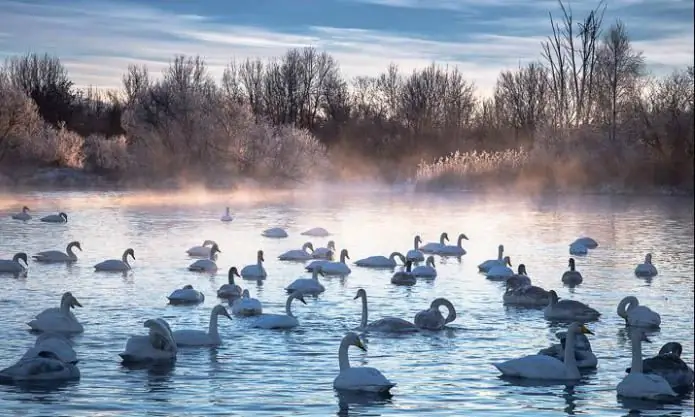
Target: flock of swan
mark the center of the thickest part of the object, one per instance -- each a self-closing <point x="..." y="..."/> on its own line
<point x="52" y="357"/>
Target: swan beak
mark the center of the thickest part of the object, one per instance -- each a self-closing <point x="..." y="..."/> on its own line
<point x="359" y="344"/>
<point x="356" y="297"/>
<point x="646" y="339"/>
<point x="321" y="273"/>
<point x="76" y="303"/>
<point x="585" y="330"/>
<point x="301" y="298"/>
<point x="226" y="314"/>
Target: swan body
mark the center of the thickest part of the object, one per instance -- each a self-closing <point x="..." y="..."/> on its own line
<point x="158" y="347"/>
<point x="206" y="265"/>
<point x="200" y="337"/>
<point x="379" y="261"/>
<point x="316" y="232"/>
<point x="324" y="253"/>
<point x="500" y="272"/>
<point x="669" y="365"/>
<point x="361" y="378"/>
<point x="275" y="233"/>
<point x="56" y="256"/>
<point x="485" y="266"/>
<point x="578" y="249"/>
<point x="55" y="343"/>
<point x="201" y="251"/>
<point x="646" y="269"/>
<point x="186" y="296"/>
<point x="22" y="215"/>
<point x="230" y="290"/>
<point x="13" y="266"/>
<point x="298" y="254"/>
<point x="583" y="353"/>
<point x="415" y="255"/>
<point x="246" y="306"/>
<point x="425" y="271"/>
<point x="572" y="277"/>
<point x="227" y="217"/>
<point x="404" y="277"/>
<point x="45" y="366"/>
<point x="568" y="310"/>
<point x="59" y="320"/>
<point x="640" y="385"/>
<point x="587" y="241"/>
<point x="332" y="268"/>
<point x="115" y="265"/>
<point x="255" y="271"/>
<point x="453" y="250"/>
<point x="432" y="318"/>
<point x="434" y="247"/>
<point x="636" y="314"/>
<point x="55" y="218"/>
<point x="384" y="325"/>
<point x="520" y="292"/>
<point x="543" y="367"/>
<point x="281" y="321"/>
<point x="308" y="286"/>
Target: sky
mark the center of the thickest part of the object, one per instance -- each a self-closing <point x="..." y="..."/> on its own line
<point x="98" y="39"/>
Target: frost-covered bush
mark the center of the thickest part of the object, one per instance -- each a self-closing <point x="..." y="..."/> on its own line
<point x="109" y="154"/>
<point x="19" y="118"/>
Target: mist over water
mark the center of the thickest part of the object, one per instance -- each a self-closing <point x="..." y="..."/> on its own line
<point x="270" y="373"/>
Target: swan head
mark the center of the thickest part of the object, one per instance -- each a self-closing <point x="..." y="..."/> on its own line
<point x="318" y="270"/>
<point x="462" y="236"/>
<point x="418" y="239"/>
<point x="308" y="245"/>
<point x="521" y="269"/>
<point x="129" y="252"/>
<point x="673" y="348"/>
<point x="430" y="261"/>
<point x="187" y="287"/>
<point x="579" y="328"/>
<point x="344" y="253"/>
<point x="25" y="209"/>
<point x="352" y="339"/>
<point x="259" y="255"/>
<point x="299" y="296"/>
<point x="360" y="293"/>
<point x="23" y="256"/>
<point x="331" y="245"/>
<point x="64" y="216"/>
<point x="507" y="261"/>
<point x="233" y="272"/>
<point x="500" y="248"/>
<point x="553" y="297"/>
<point x="208" y="242"/>
<point x="444" y="236"/>
<point x="245" y="294"/>
<point x="160" y="335"/>
<point x="70" y="300"/>
<point x="214" y="249"/>
<point x="648" y="258"/>
<point x="571" y="263"/>
<point x="75" y="244"/>
<point x="221" y="311"/>
<point x="408" y="265"/>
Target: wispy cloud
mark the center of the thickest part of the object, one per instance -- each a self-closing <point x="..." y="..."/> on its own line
<point x="97" y="40"/>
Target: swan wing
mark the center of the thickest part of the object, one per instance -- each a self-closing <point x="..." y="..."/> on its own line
<point x="40" y="369"/>
<point x="190" y="337"/>
<point x="362" y="379"/>
<point x="112" y="265"/>
<point x="534" y="367"/>
<point x="644" y="386"/>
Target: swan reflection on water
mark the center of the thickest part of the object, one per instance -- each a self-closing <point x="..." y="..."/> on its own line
<point x="351" y="403"/>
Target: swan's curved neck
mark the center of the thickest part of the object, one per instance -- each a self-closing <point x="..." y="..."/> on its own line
<point x="343" y="360"/>
<point x="70" y="252"/>
<point x="231" y="279"/>
<point x="65" y="307"/>
<point x="637" y="365"/>
<point x="500" y="254"/>
<point x="212" y="328"/>
<point x="365" y="313"/>
<point x="451" y="315"/>
<point x="259" y="262"/>
<point x="430" y="262"/>
<point x="342" y="258"/>
<point x="442" y="240"/>
<point x="315" y="274"/>
<point x="416" y="244"/>
<point x="570" y="358"/>
<point x="626" y="304"/>
<point x="124" y="258"/>
<point x="460" y="240"/>
<point x="288" y="306"/>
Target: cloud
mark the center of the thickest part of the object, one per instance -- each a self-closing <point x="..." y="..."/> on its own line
<point x="97" y="40"/>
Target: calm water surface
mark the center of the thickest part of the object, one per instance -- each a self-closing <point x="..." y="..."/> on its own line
<point x="280" y="373"/>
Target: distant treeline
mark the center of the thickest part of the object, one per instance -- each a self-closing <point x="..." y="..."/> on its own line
<point x="586" y="114"/>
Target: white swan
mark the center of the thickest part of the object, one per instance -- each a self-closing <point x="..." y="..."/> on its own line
<point x="520" y="292"/>
<point x="432" y="318"/>
<point x="187" y="337"/>
<point x="640" y="385"/>
<point x="500" y="272"/>
<point x="583" y="353"/>
<point x="58" y="320"/>
<point x="13" y="266"/>
<point x="298" y="254"/>
<point x="116" y="265"/>
<point x="55" y="343"/>
<point x="646" y="269"/>
<point x="568" y="310"/>
<point x="316" y="232"/>
<point x="230" y="290"/>
<point x="255" y="271"/>
<point x="55" y="218"/>
<point x="247" y="306"/>
<point x="281" y="321"/>
<point x="572" y="277"/>
<point x="186" y="296"/>
<point x="227" y="217"/>
<point x="544" y="367"/>
<point x="275" y="233"/>
<point x="669" y="365"/>
<point x="414" y="254"/>
<point x="587" y="241"/>
<point x="206" y="265"/>
<point x="326" y="252"/>
<point x="158" y="347"/>
<point x="578" y="249"/>
<point x="385" y="325"/>
<point x="56" y="256"/>
<point x="309" y="286"/>
<point x="453" y="250"/>
<point x="433" y="247"/>
<point x="425" y="271"/>
<point x="404" y="276"/>
<point x="636" y="314"/>
<point x="43" y="367"/>
<point x="380" y="261"/>
<point x="360" y="378"/>
<point x="23" y="215"/>
<point x="203" y="250"/>
<point x="332" y="268"/>
<point x="485" y="266"/>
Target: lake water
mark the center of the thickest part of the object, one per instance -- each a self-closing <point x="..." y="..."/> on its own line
<point x="280" y="373"/>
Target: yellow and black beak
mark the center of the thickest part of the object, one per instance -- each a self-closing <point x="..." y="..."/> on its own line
<point x="359" y="344"/>
<point x="585" y="330"/>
